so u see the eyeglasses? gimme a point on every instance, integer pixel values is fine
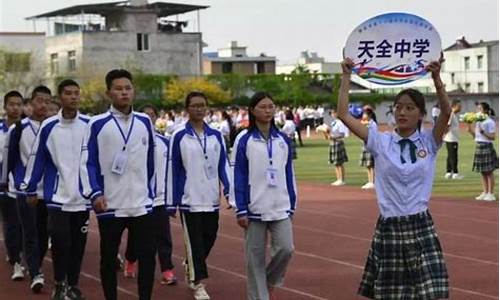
(197, 106)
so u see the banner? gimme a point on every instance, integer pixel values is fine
(393, 48)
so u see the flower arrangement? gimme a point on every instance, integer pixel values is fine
(161, 125)
(471, 117)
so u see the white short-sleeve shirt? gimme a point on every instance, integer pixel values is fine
(402, 188)
(488, 126)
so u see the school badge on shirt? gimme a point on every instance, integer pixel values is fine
(422, 153)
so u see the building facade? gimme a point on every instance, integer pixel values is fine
(234, 59)
(128, 34)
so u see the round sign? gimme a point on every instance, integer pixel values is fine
(393, 48)
(356, 111)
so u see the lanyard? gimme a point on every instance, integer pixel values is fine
(204, 144)
(125, 138)
(269, 146)
(32, 129)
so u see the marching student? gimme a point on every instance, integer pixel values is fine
(485, 156)
(197, 168)
(32, 214)
(56, 157)
(161, 216)
(369, 120)
(337, 154)
(405, 260)
(12, 104)
(265, 195)
(116, 174)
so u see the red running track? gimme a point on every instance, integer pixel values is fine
(333, 229)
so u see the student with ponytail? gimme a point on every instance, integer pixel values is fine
(405, 260)
(485, 156)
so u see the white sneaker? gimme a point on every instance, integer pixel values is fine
(200, 293)
(448, 175)
(17, 272)
(481, 196)
(37, 283)
(368, 186)
(338, 183)
(457, 176)
(489, 197)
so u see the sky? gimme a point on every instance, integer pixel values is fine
(284, 28)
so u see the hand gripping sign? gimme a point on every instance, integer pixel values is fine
(393, 48)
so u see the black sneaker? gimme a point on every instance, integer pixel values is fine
(73, 293)
(59, 292)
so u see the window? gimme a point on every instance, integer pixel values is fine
(467, 62)
(480, 87)
(71, 61)
(227, 67)
(17, 62)
(143, 42)
(467, 87)
(452, 78)
(261, 67)
(54, 64)
(479, 61)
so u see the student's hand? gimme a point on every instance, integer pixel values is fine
(435, 67)
(243, 222)
(32, 200)
(347, 65)
(100, 204)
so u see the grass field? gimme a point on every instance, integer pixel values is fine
(312, 166)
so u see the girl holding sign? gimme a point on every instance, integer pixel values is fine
(405, 260)
(197, 169)
(264, 184)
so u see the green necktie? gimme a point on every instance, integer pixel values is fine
(413, 156)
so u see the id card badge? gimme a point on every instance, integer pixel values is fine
(119, 163)
(271, 176)
(210, 170)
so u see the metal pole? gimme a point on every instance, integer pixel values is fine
(198, 20)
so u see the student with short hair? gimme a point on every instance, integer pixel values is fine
(12, 104)
(117, 175)
(197, 169)
(405, 260)
(485, 156)
(56, 157)
(32, 213)
(452, 138)
(265, 196)
(161, 216)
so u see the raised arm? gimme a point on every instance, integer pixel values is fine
(342, 106)
(441, 125)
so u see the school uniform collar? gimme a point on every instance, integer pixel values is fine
(273, 132)
(118, 114)
(190, 130)
(66, 121)
(404, 141)
(414, 137)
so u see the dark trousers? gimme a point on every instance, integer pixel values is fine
(111, 231)
(11, 229)
(298, 129)
(163, 239)
(33, 222)
(452, 160)
(200, 233)
(68, 232)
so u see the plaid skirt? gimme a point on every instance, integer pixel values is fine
(366, 159)
(338, 155)
(485, 158)
(405, 261)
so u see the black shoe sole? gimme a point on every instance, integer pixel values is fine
(37, 288)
